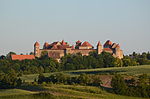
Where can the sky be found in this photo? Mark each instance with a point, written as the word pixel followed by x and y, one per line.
pixel 23 22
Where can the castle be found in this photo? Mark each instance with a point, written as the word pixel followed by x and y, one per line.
pixel 57 50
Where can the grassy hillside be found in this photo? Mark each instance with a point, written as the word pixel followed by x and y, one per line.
pixel 131 70
pixel 62 92
pixel 9 92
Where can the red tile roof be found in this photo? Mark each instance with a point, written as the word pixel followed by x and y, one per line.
pixel 72 46
pixel 108 42
pixel 54 47
pixel 107 49
pixel 61 47
pixel 63 42
pixel 86 44
pixel 22 57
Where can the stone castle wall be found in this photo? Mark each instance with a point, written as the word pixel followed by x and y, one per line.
pixel 54 53
pixel 82 51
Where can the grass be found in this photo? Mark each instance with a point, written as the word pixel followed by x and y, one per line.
pixel 12 92
pixel 60 91
pixel 131 70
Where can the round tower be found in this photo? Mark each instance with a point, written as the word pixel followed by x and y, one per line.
pixel 37 49
pixel 99 48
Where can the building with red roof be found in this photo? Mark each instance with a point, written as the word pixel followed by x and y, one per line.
pixel 86 45
pixel 107 44
pixel 22 57
pixel 58 49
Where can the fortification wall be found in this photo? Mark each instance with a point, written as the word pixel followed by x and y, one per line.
pixel 82 51
pixel 53 53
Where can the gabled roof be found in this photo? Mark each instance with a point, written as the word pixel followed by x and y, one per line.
pixel 77 42
pixel 55 43
pixel 22 57
pixel 86 44
pixel 63 42
pixel 108 42
pixel 107 49
pixel 54 47
pixel 61 47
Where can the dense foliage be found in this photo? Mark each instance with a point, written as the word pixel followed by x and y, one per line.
pixel 77 61
pixel 9 81
pixel 41 65
pixel 70 62
pixel 82 79
pixel 131 87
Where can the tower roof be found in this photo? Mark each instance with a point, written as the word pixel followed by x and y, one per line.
pixel 36 44
pixel 98 44
pixel 46 45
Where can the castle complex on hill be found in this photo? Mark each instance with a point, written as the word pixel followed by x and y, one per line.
pixel 57 50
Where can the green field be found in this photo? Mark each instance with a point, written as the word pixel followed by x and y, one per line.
pixel 60 91
pixel 131 70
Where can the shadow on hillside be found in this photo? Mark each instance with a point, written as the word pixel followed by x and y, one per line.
pixel 32 88
pixel 98 72
pixel 110 90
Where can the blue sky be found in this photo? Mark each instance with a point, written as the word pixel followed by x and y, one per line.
pixel 22 22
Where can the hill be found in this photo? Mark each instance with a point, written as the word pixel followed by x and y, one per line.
pixel 131 70
pixel 59 91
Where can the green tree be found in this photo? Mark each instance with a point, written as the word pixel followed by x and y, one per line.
pixel 119 85
pixel 108 59
pixel 9 55
pixel 84 79
pixel 118 62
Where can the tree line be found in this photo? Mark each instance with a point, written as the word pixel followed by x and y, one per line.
pixel 61 78
pixel 139 87
pixel 44 64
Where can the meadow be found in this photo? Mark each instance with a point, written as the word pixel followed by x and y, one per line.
pixel 130 70
pixel 61 91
